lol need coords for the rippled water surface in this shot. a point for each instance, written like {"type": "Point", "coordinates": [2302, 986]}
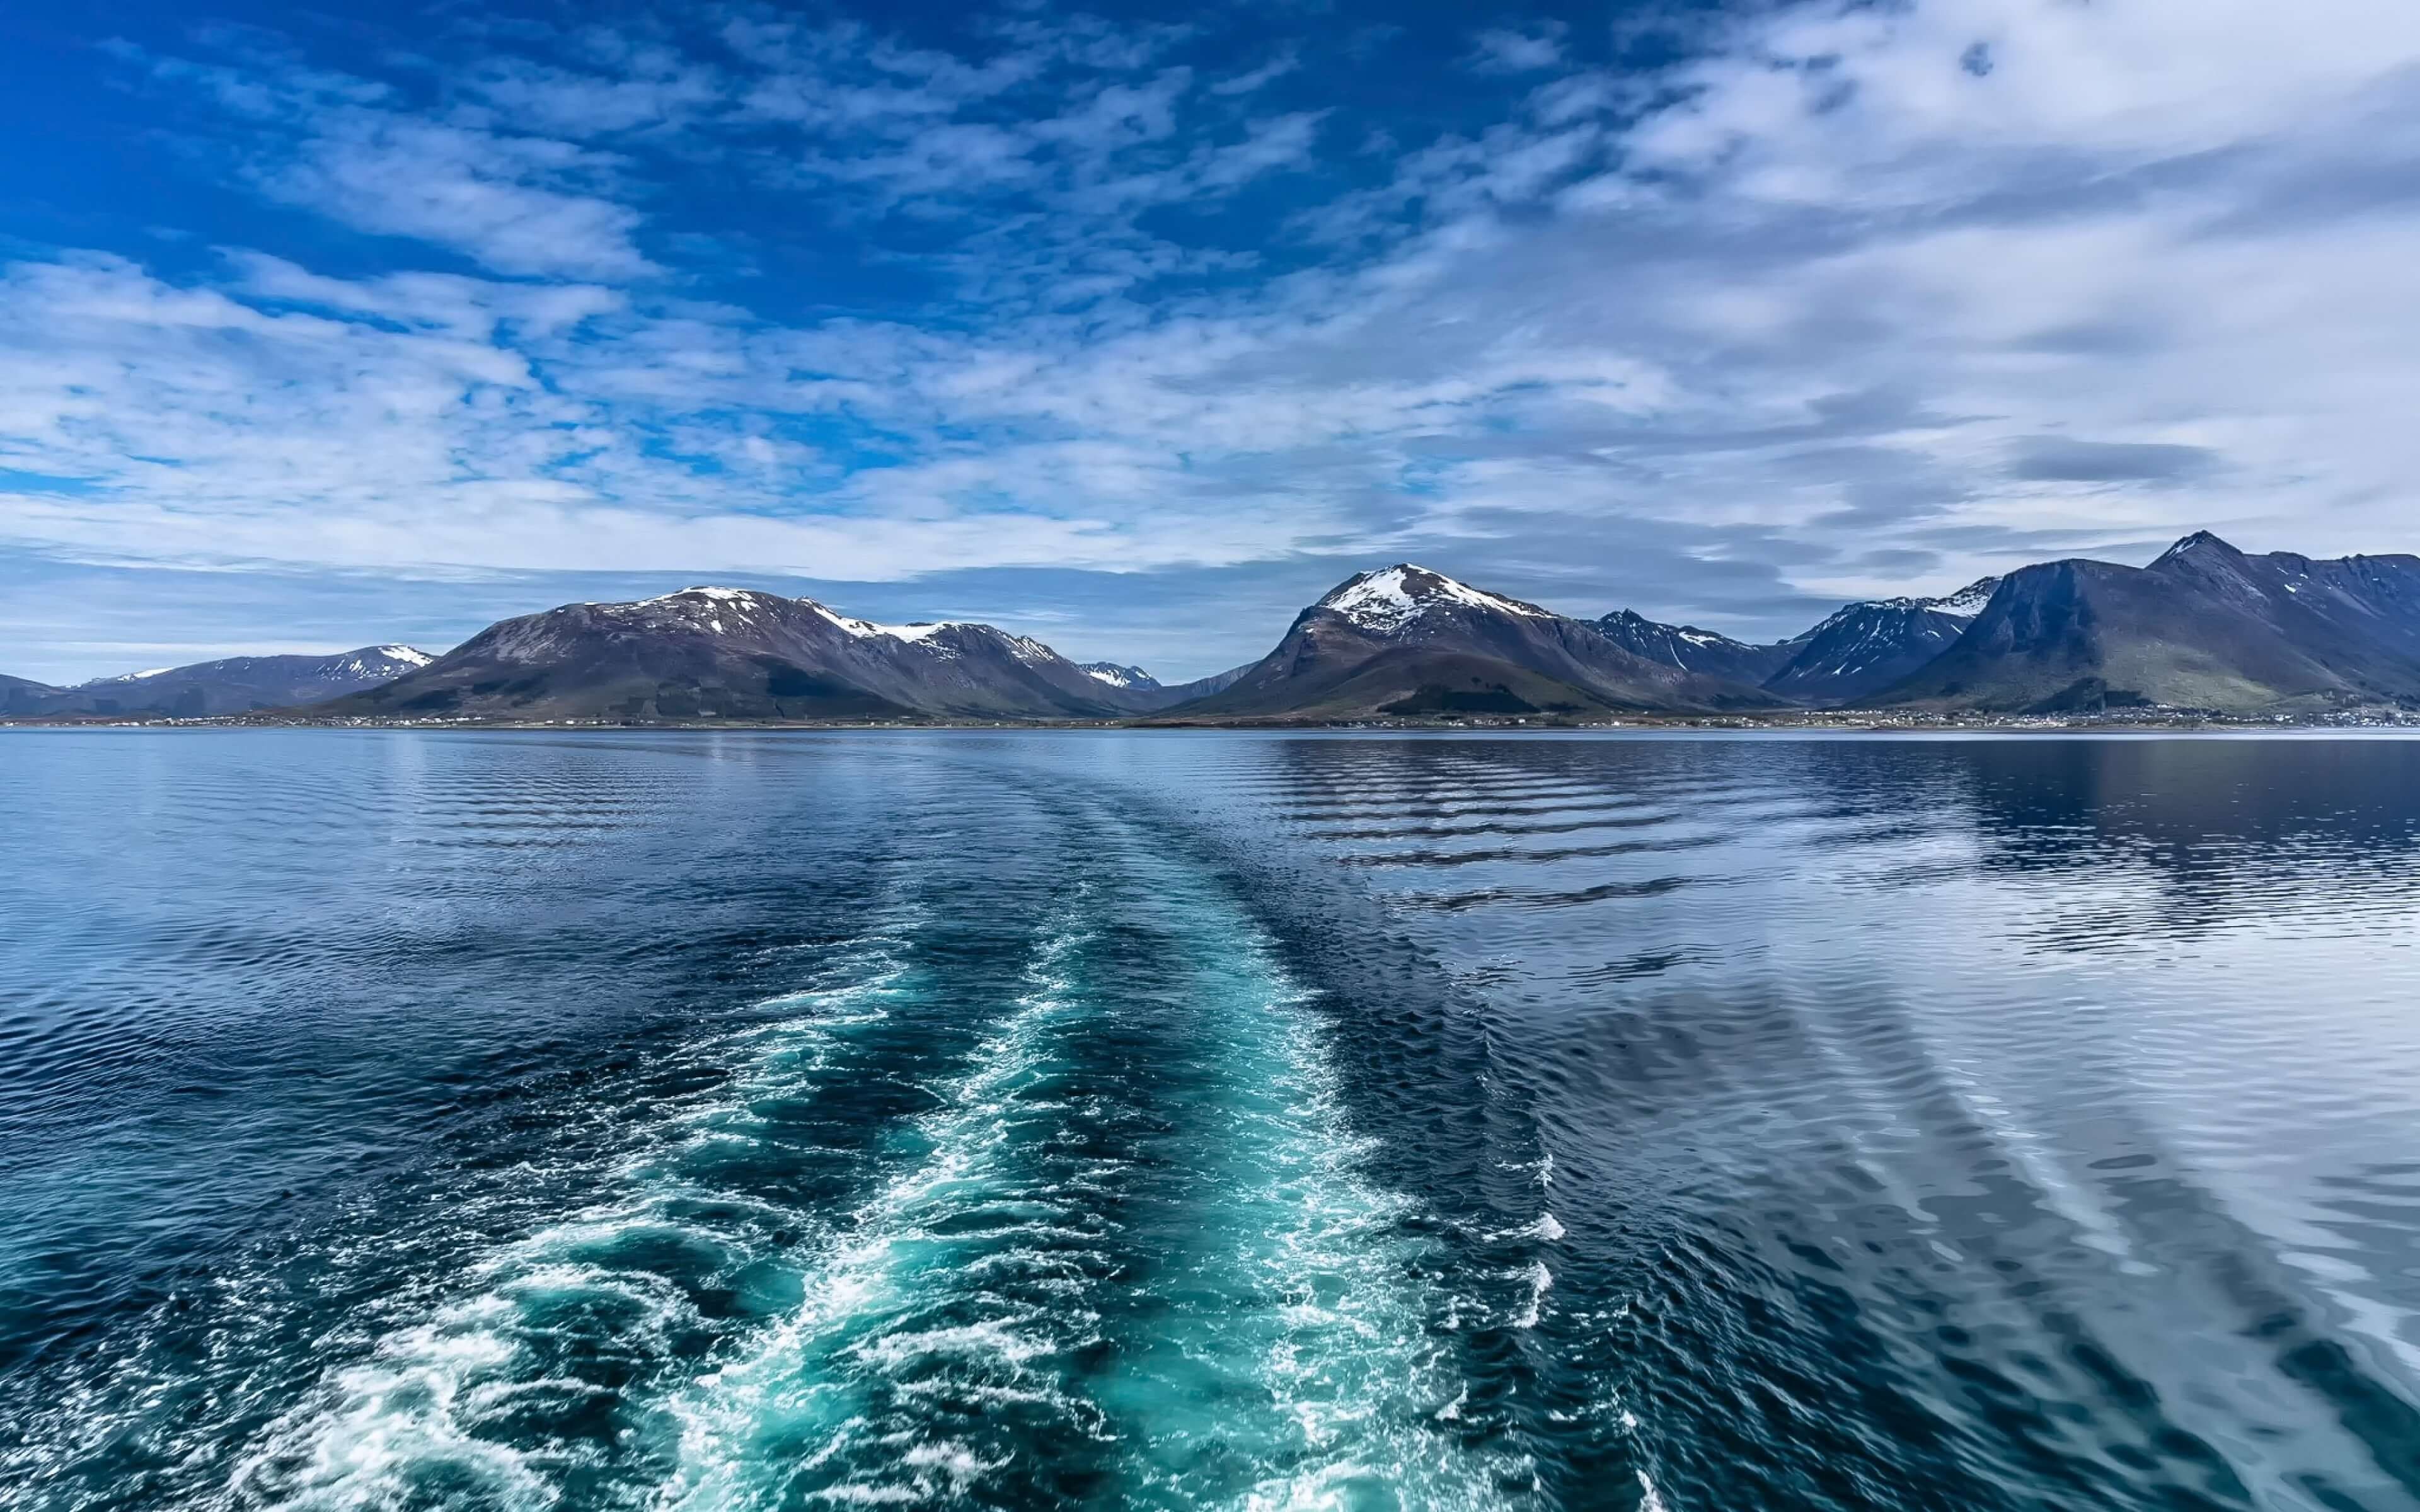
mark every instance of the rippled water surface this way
{"type": "Point", "coordinates": [783, 1122]}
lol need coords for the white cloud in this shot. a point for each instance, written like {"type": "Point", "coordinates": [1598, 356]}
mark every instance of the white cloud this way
{"type": "Point", "coordinates": [1268, 73]}
{"type": "Point", "coordinates": [652, 91]}
{"type": "Point", "coordinates": [350, 150]}
{"type": "Point", "coordinates": [504, 201]}
{"type": "Point", "coordinates": [1505, 50]}
{"type": "Point", "coordinates": [417, 434]}
{"type": "Point", "coordinates": [1820, 298]}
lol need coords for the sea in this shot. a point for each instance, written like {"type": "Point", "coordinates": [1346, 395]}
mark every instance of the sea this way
{"type": "Point", "coordinates": [1685, 1122]}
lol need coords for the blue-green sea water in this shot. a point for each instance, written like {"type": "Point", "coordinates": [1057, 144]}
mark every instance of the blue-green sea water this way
{"type": "Point", "coordinates": [738, 1120]}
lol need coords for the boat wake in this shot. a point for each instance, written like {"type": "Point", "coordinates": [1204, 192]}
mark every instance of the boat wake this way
{"type": "Point", "coordinates": [1114, 1245]}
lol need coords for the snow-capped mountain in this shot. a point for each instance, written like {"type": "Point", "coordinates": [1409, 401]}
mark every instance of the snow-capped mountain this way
{"type": "Point", "coordinates": [233, 685]}
{"type": "Point", "coordinates": [1406, 642]}
{"type": "Point", "coordinates": [1117, 676]}
{"type": "Point", "coordinates": [2203, 626]}
{"type": "Point", "coordinates": [1392, 601]}
{"type": "Point", "coordinates": [1691, 649]}
{"type": "Point", "coordinates": [1864, 648]}
{"type": "Point", "coordinates": [1856, 651]}
{"type": "Point", "coordinates": [735, 653]}
{"type": "Point", "coordinates": [379, 664]}
{"type": "Point", "coordinates": [1155, 694]}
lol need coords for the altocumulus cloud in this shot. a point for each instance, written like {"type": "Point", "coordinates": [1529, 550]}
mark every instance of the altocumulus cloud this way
{"type": "Point", "coordinates": [1725, 316]}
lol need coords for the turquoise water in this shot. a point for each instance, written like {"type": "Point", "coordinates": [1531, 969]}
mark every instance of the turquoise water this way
{"type": "Point", "coordinates": [778, 1121]}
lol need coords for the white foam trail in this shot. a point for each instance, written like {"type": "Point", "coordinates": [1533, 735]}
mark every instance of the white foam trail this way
{"type": "Point", "coordinates": [1289, 1360]}
{"type": "Point", "coordinates": [406, 1416]}
{"type": "Point", "coordinates": [1540, 1281]}
{"type": "Point", "coordinates": [1320, 1356]}
{"type": "Point", "coordinates": [787, 1388]}
{"type": "Point", "coordinates": [1543, 1226]}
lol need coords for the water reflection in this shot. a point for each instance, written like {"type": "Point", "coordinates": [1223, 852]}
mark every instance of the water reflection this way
{"type": "Point", "coordinates": [1710, 1122]}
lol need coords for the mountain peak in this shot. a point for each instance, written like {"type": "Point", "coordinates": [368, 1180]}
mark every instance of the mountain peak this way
{"type": "Point", "coordinates": [2198, 543]}
{"type": "Point", "coordinates": [705, 591]}
{"type": "Point", "coordinates": [1629, 621]}
{"type": "Point", "coordinates": [915, 634]}
{"type": "Point", "coordinates": [1385, 601]}
{"type": "Point", "coordinates": [1117, 676]}
{"type": "Point", "coordinates": [1968, 601]}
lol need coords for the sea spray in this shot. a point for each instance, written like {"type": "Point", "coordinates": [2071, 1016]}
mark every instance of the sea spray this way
{"type": "Point", "coordinates": [528, 1387]}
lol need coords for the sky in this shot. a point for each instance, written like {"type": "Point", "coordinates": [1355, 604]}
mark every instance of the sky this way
{"type": "Point", "coordinates": [1135, 328]}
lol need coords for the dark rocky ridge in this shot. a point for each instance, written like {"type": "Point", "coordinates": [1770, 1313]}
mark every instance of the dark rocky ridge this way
{"type": "Point", "coordinates": [1854, 653]}
{"type": "Point", "coordinates": [21, 695]}
{"type": "Point", "coordinates": [736, 654]}
{"type": "Point", "coordinates": [1866, 647]}
{"type": "Point", "coordinates": [234, 684]}
{"type": "Point", "coordinates": [2205, 626]}
{"type": "Point", "coordinates": [1693, 650]}
{"type": "Point", "coordinates": [1405, 643]}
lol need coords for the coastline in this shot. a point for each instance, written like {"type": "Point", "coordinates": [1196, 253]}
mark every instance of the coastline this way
{"type": "Point", "coordinates": [1865, 722]}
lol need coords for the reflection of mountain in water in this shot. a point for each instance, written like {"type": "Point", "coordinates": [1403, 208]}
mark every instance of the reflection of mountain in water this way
{"type": "Point", "coordinates": [2214, 832]}
{"type": "Point", "coordinates": [1944, 1123]}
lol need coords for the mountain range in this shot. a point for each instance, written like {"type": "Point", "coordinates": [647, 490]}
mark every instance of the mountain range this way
{"type": "Point", "coordinates": [236, 685]}
{"type": "Point", "coordinates": [1407, 642]}
{"type": "Point", "coordinates": [2204, 627]}
{"type": "Point", "coordinates": [738, 653]}
{"type": "Point", "coordinates": [1856, 651]}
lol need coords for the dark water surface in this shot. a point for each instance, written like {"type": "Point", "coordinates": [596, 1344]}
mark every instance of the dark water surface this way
{"type": "Point", "coordinates": [775, 1122]}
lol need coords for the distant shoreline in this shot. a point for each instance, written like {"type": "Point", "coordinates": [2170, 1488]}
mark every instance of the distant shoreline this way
{"type": "Point", "coordinates": [1843, 722]}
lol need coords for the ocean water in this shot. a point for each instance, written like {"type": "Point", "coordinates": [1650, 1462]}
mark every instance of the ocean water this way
{"type": "Point", "coordinates": [1120, 1120]}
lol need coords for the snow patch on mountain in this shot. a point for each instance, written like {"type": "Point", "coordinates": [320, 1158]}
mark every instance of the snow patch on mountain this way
{"type": "Point", "coordinates": [1117, 676]}
{"type": "Point", "coordinates": [1860, 637]}
{"type": "Point", "coordinates": [1392, 597]}
{"type": "Point", "coordinates": [866, 629]}
{"type": "Point", "coordinates": [1028, 650]}
{"type": "Point", "coordinates": [1967, 602]}
{"type": "Point", "coordinates": [375, 664]}
{"type": "Point", "coordinates": [702, 607]}
{"type": "Point", "coordinates": [688, 598]}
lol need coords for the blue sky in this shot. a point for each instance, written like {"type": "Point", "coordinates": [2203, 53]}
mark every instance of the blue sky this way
{"type": "Point", "coordinates": [322, 326]}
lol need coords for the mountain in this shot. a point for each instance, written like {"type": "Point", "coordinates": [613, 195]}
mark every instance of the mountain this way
{"type": "Point", "coordinates": [19, 695]}
{"type": "Point", "coordinates": [1203, 687]}
{"type": "Point", "coordinates": [1860, 649]}
{"type": "Point", "coordinates": [1404, 642]}
{"type": "Point", "coordinates": [1866, 647]}
{"type": "Point", "coordinates": [1150, 692]}
{"type": "Point", "coordinates": [2205, 626]}
{"type": "Point", "coordinates": [235, 684]}
{"type": "Point", "coordinates": [1117, 676]}
{"type": "Point", "coordinates": [734, 653]}
{"type": "Point", "coordinates": [1693, 650]}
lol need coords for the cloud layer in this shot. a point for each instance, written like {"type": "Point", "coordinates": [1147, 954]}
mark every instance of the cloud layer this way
{"type": "Point", "coordinates": [1813, 302]}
